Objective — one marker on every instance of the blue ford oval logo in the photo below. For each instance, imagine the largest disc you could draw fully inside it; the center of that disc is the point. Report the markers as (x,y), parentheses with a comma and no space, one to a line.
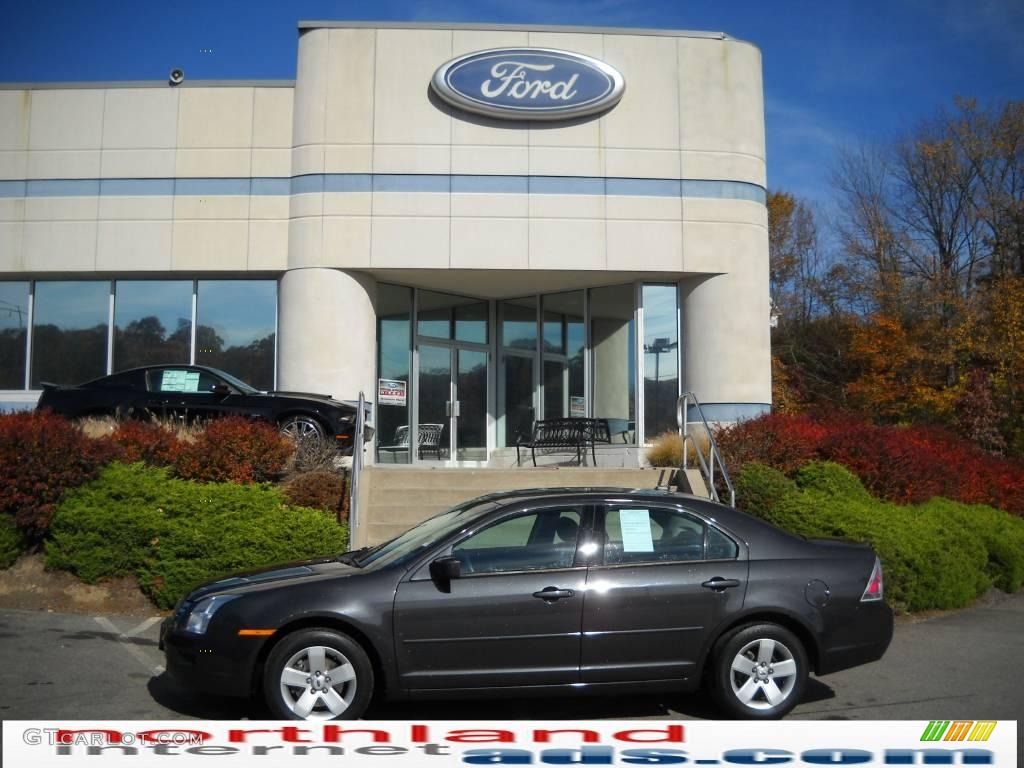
(529,84)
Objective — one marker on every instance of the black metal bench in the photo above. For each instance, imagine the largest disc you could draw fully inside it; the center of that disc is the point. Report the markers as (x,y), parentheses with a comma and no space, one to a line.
(571,433)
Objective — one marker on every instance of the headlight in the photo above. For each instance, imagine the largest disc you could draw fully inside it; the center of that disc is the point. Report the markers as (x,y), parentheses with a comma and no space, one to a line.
(200,617)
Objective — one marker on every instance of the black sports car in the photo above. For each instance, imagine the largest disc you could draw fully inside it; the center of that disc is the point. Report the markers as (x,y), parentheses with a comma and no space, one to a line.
(194,393)
(552,591)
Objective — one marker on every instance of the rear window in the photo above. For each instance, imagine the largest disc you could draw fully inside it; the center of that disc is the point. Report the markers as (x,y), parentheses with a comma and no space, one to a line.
(642,534)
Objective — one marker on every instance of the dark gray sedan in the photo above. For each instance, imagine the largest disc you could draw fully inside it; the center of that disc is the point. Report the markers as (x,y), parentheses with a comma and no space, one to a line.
(542,592)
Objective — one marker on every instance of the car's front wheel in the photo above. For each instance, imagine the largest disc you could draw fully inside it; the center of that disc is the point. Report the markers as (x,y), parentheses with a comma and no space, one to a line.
(304,430)
(318,674)
(759,672)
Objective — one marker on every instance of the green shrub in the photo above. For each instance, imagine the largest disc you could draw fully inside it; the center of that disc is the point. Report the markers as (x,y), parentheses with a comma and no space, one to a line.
(835,479)
(1001,533)
(937,555)
(172,534)
(760,487)
(12,541)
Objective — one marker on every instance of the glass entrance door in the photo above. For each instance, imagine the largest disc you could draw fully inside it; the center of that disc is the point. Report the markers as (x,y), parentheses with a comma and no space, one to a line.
(451,404)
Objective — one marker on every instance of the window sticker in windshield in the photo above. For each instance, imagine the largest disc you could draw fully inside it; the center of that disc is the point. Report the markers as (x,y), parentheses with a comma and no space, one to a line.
(179,381)
(636,530)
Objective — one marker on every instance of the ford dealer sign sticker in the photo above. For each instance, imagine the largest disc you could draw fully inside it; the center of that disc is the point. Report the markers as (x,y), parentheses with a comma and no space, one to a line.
(529,84)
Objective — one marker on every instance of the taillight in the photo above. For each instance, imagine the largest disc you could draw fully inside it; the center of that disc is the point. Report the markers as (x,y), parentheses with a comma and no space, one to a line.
(873,591)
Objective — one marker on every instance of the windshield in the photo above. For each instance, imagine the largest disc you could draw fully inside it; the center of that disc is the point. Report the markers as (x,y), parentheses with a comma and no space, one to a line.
(415,540)
(238,384)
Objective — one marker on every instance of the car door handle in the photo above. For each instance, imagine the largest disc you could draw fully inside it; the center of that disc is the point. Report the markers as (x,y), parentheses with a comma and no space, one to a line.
(718,583)
(551,594)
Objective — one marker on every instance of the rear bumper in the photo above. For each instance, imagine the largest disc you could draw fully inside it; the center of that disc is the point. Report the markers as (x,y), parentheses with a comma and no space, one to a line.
(861,641)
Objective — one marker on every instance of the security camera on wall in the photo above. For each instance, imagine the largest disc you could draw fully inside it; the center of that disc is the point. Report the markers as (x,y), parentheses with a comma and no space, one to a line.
(176,77)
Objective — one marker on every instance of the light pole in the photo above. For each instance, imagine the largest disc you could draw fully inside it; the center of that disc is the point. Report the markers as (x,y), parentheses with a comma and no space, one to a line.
(659,346)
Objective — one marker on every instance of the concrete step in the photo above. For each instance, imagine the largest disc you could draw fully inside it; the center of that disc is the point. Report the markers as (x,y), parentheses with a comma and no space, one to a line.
(391,500)
(489,480)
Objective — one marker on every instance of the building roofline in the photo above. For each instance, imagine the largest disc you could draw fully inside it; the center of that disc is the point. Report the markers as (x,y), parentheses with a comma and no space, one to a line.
(215,83)
(484,27)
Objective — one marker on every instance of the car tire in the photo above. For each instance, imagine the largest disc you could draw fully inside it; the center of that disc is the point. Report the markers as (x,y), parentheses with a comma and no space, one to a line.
(776,677)
(294,691)
(305,430)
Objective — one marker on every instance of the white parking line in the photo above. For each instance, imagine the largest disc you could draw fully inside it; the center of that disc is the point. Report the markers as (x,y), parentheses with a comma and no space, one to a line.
(123,638)
(142,627)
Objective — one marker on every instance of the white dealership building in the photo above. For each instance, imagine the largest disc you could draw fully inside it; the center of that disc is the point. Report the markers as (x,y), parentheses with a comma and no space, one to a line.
(569,224)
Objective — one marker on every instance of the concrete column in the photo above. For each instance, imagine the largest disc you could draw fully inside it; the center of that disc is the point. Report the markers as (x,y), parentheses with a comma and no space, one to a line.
(727,344)
(327,334)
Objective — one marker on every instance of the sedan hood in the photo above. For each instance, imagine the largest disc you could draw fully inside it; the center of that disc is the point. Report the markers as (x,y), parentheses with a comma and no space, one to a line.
(301,569)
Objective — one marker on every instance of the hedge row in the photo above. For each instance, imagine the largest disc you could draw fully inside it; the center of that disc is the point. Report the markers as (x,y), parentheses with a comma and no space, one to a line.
(43,455)
(907,465)
(172,534)
(937,555)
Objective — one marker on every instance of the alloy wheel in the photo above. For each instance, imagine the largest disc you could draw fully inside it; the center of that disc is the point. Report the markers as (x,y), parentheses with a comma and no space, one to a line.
(318,683)
(763,674)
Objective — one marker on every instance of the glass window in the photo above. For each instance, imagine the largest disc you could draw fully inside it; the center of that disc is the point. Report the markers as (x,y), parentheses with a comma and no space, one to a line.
(661,358)
(13,334)
(613,338)
(519,323)
(236,322)
(528,542)
(564,338)
(720,546)
(638,534)
(187,380)
(152,322)
(446,316)
(394,360)
(517,378)
(69,331)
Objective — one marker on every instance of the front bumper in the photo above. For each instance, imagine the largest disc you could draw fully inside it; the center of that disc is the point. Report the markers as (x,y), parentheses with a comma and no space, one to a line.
(208,664)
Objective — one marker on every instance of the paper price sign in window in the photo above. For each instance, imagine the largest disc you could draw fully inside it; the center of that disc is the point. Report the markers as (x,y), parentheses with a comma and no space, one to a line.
(179,381)
(636,530)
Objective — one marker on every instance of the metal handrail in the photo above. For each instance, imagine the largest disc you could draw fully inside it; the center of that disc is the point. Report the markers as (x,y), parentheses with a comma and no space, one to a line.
(357,465)
(683,405)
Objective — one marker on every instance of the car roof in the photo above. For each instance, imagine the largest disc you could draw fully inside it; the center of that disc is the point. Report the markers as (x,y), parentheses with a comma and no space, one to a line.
(737,521)
(529,494)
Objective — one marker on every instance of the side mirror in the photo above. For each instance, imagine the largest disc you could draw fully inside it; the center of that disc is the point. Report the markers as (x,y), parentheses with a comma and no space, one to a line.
(221,389)
(445,569)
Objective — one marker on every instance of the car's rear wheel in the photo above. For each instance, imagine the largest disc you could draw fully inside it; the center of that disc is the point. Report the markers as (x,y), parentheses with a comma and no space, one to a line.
(304,430)
(759,671)
(318,674)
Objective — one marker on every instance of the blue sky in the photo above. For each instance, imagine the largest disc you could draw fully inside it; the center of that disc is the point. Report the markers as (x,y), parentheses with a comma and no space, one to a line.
(835,72)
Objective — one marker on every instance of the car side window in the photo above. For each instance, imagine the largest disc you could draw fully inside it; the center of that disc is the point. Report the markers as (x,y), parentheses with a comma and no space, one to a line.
(640,534)
(182,381)
(532,541)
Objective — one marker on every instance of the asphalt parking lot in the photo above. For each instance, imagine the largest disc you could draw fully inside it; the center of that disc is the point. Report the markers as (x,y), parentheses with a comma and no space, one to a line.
(963,665)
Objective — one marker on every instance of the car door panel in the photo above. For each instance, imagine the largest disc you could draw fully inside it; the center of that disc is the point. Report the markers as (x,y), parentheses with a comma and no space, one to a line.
(489,631)
(650,620)
(512,618)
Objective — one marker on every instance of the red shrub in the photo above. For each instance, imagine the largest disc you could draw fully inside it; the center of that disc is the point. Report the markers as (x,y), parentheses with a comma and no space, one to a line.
(41,456)
(320,489)
(146,442)
(903,464)
(783,441)
(235,449)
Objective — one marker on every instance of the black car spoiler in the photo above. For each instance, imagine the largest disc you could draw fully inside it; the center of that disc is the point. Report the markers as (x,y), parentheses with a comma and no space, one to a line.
(47,385)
